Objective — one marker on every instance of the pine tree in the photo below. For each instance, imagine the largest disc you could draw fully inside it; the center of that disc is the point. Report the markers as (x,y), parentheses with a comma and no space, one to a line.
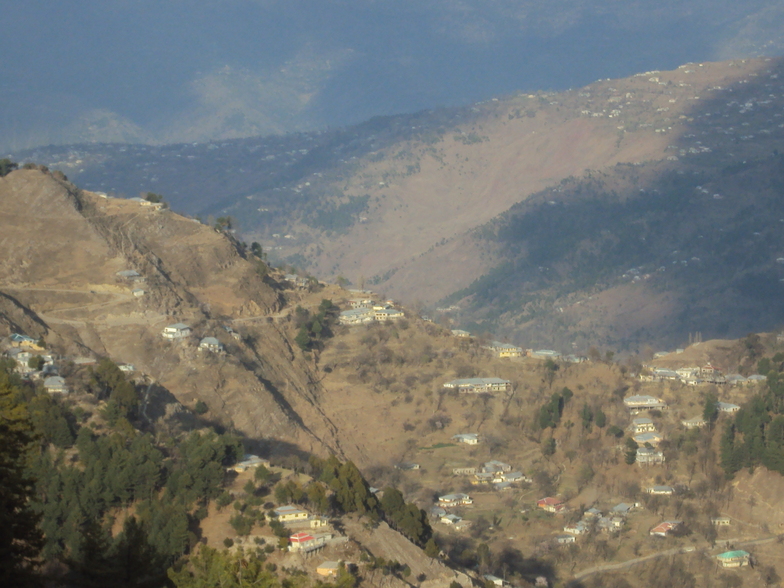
(20,538)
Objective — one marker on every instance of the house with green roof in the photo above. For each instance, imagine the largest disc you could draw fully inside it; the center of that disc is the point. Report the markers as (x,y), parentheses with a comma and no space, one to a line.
(734,559)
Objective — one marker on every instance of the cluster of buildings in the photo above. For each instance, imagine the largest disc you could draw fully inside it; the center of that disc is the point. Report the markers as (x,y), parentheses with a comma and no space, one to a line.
(180,331)
(33,362)
(593,518)
(494,472)
(451,501)
(365,310)
(319,535)
(500,349)
(693,376)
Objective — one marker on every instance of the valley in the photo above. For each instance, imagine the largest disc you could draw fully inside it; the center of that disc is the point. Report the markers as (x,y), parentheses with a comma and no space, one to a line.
(522,212)
(212,338)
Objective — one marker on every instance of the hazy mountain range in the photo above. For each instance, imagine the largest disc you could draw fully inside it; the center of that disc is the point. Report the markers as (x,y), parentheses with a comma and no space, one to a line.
(169,71)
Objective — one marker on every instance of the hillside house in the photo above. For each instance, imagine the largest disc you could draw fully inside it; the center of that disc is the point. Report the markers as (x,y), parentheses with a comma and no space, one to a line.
(665,374)
(407,466)
(514,477)
(648,438)
(610,524)
(688,372)
(249,461)
(452,500)
(483,478)
(551,504)
(647,456)
(328,569)
(494,466)
(130,276)
(544,354)
(734,559)
(727,407)
(721,521)
(694,423)
(387,313)
(437,512)
(290,513)
(479,385)
(660,490)
(126,367)
(639,403)
(451,519)
(665,528)
(642,425)
(736,380)
(461,334)
(176,331)
(55,385)
(138,292)
(211,344)
(756,379)
(362,302)
(622,509)
(469,471)
(708,372)
(505,349)
(295,280)
(467,438)
(304,542)
(20,355)
(565,539)
(578,528)
(356,316)
(495,580)
(592,513)
(19,340)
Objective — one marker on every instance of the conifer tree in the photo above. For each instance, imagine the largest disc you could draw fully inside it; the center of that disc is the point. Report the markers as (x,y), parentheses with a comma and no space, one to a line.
(20,539)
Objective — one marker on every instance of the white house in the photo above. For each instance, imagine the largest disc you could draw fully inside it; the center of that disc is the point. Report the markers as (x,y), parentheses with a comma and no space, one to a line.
(176,331)
(642,425)
(646,456)
(641,402)
(356,316)
(55,385)
(479,385)
(467,438)
(728,407)
(211,344)
(454,500)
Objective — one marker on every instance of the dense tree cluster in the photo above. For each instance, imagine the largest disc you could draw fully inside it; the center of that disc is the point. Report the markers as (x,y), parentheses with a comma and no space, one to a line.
(550,413)
(314,328)
(20,538)
(68,498)
(350,493)
(755,436)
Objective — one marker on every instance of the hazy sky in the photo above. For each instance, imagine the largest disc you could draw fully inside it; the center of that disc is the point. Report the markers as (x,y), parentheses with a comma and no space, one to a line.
(186,70)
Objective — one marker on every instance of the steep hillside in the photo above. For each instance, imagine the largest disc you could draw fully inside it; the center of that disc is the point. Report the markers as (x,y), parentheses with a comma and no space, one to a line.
(418,206)
(653,251)
(64,249)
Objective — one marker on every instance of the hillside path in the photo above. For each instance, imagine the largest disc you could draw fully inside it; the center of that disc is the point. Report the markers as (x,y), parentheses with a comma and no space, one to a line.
(738,543)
